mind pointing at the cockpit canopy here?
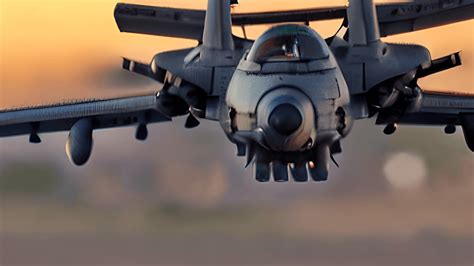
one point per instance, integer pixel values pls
(290, 42)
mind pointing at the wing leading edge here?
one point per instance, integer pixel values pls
(110, 113)
(441, 109)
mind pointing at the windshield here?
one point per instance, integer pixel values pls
(288, 43)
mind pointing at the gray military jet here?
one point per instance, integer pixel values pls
(286, 99)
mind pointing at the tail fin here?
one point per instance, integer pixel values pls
(218, 26)
(363, 22)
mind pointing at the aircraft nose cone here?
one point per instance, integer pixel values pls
(285, 119)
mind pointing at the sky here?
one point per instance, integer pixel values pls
(52, 49)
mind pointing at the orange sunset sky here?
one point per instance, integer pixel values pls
(50, 49)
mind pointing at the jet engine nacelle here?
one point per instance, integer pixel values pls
(79, 143)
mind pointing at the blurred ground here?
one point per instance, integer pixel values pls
(183, 197)
(144, 207)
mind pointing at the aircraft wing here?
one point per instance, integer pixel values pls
(138, 110)
(422, 14)
(437, 109)
(393, 18)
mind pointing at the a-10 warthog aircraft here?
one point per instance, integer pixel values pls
(285, 99)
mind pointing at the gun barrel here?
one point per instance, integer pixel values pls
(440, 64)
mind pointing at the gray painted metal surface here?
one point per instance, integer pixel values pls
(393, 18)
(285, 100)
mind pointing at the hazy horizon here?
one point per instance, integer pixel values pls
(183, 197)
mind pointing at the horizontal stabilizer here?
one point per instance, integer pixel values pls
(161, 21)
(303, 15)
(189, 24)
(393, 18)
(420, 15)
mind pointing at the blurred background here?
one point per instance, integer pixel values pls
(183, 197)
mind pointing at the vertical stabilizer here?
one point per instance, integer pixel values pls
(363, 22)
(218, 26)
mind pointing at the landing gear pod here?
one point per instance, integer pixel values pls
(79, 143)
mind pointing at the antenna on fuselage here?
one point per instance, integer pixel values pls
(363, 22)
(217, 33)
